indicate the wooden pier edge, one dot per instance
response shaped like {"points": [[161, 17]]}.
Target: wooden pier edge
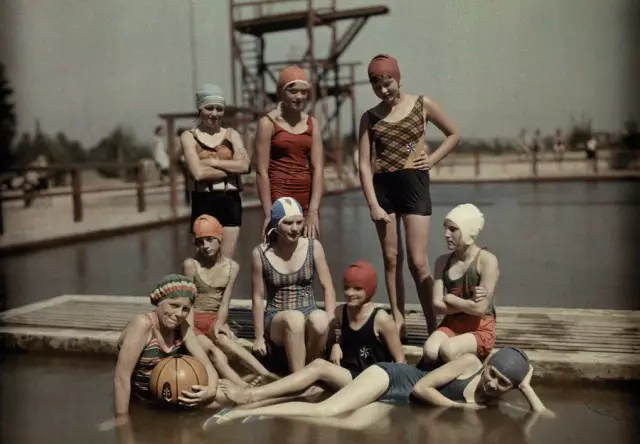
{"points": [[68, 324]]}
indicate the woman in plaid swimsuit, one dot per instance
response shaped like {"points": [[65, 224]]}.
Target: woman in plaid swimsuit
{"points": [[395, 179]]}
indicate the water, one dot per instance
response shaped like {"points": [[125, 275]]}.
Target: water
{"points": [[63, 400], [568, 244]]}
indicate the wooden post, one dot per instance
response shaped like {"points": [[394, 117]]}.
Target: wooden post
{"points": [[76, 193], [140, 187], [476, 158], [171, 143], [534, 163], [1, 219]]}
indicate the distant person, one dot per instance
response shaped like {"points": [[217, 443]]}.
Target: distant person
{"points": [[215, 276], [464, 291], [216, 158], [367, 336], [160, 154], [396, 182], [183, 166], [465, 383], [290, 331], [289, 152], [35, 181], [559, 145]]}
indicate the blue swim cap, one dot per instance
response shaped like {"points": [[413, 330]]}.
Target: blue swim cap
{"points": [[512, 363], [284, 207]]}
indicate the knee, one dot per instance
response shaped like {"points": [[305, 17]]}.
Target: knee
{"points": [[317, 365], [318, 323], [431, 350], [293, 323], [448, 351], [419, 264], [390, 257]]}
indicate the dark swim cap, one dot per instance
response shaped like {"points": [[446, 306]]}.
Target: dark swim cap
{"points": [[512, 362]]}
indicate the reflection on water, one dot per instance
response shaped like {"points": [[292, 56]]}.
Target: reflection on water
{"points": [[63, 399], [564, 244]]}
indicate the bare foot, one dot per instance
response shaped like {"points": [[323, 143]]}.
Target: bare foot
{"points": [[236, 394]]}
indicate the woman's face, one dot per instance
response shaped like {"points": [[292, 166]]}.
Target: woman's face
{"points": [[494, 383], [452, 235], [211, 115], [295, 96], [173, 311], [290, 228], [385, 88], [207, 246]]}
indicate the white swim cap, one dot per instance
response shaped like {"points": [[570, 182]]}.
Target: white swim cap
{"points": [[470, 221]]}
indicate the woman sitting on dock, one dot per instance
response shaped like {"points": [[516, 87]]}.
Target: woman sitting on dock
{"points": [[289, 153], [215, 276], [367, 336], [284, 271], [464, 383], [151, 337], [464, 290], [215, 158]]}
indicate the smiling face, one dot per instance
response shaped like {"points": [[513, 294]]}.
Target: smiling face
{"points": [[385, 88], [211, 115], [172, 312], [295, 95], [355, 296]]}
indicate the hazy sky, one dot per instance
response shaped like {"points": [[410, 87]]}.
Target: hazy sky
{"points": [[85, 66]]}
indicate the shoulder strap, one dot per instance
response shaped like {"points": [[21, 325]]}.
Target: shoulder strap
{"points": [[446, 266]]}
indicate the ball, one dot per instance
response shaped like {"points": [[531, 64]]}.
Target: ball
{"points": [[174, 374]]}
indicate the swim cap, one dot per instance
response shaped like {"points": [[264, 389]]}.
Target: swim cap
{"points": [[361, 274], [470, 221], [512, 363], [209, 94], [284, 207], [174, 286], [384, 65], [206, 225], [291, 74]]}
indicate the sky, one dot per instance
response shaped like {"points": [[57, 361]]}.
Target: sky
{"points": [[495, 66]]}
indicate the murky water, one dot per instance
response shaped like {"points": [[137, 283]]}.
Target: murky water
{"points": [[64, 399], [569, 244]]}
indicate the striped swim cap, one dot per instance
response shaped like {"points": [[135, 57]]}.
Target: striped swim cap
{"points": [[284, 207], [174, 286], [209, 94]]}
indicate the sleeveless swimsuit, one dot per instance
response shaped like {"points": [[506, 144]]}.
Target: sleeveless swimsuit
{"points": [[207, 304], [399, 187], [402, 378], [482, 327], [215, 197], [151, 355], [289, 166], [361, 348]]}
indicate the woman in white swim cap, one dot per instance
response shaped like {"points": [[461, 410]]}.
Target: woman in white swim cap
{"points": [[463, 291]]}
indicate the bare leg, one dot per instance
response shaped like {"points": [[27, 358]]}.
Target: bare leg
{"points": [[372, 415], [400, 279], [363, 390], [229, 241], [431, 348], [287, 329], [229, 346], [457, 346], [417, 231], [319, 370], [220, 361], [317, 331], [388, 236]]}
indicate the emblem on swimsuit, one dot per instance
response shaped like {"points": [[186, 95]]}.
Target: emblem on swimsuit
{"points": [[411, 146]]}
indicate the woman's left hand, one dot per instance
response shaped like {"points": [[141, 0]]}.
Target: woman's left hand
{"points": [[311, 225], [198, 396]]}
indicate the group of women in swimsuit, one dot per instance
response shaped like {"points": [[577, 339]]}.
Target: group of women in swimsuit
{"points": [[354, 349]]}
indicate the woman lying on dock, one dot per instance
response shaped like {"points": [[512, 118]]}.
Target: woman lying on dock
{"points": [[151, 337], [214, 275], [283, 271], [368, 335], [464, 383], [463, 291]]}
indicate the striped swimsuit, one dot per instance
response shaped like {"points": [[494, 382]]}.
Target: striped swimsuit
{"points": [[151, 355], [293, 291]]}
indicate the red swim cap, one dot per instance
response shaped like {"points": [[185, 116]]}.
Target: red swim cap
{"points": [[361, 274]]}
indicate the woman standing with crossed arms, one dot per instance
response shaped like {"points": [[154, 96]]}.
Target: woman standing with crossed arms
{"points": [[396, 182], [289, 152]]}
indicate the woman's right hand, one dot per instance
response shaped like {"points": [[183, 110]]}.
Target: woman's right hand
{"points": [[336, 354], [263, 235], [378, 214], [260, 347]]}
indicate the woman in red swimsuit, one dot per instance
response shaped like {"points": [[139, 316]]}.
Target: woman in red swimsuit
{"points": [[289, 154]]}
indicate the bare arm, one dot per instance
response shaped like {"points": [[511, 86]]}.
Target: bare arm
{"points": [[134, 340], [438, 288], [386, 326], [223, 311], [334, 325], [442, 122], [364, 162], [198, 170], [426, 389], [257, 294], [324, 275], [189, 269], [317, 166], [489, 274], [530, 395], [240, 164], [262, 148]]}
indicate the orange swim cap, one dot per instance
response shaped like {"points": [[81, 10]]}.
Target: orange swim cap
{"points": [[361, 274], [291, 74], [384, 65], [206, 225]]}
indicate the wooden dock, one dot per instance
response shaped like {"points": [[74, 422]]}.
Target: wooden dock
{"points": [[563, 344]]}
